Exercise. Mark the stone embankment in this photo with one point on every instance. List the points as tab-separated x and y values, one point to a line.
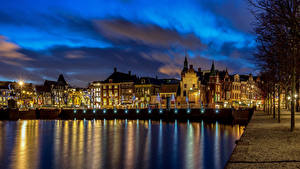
222	115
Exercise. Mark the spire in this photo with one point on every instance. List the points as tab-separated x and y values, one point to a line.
185	65
212	69
185	61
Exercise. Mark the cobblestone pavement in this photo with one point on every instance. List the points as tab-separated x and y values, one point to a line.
268	144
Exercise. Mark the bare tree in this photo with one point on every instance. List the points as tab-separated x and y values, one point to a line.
278	37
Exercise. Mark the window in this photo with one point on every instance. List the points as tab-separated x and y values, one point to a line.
116	94
104	87
116	86
110	87
194	85
184	93
185	85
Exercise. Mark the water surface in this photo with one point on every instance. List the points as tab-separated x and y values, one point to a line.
116	144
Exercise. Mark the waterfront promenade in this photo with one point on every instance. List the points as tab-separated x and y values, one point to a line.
268	144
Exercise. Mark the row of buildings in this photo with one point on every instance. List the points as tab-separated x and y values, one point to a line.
196	88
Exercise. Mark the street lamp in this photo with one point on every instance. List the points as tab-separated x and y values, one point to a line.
21	83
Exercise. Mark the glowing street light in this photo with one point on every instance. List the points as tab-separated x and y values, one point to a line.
21	83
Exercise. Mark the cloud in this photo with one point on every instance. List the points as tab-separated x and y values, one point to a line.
170	70
75	55
9	53
148	34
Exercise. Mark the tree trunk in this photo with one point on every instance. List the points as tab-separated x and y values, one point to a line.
268	105
265	105
274	104
271	104
286	100
278	113
293	91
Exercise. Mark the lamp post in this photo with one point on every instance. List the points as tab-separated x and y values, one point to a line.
21	84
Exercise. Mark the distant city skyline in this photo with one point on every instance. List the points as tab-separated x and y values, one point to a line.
85	41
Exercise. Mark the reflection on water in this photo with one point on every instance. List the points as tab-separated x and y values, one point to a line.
115	144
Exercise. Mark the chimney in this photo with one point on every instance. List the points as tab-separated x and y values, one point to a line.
199	69
191	66
129	73
115	69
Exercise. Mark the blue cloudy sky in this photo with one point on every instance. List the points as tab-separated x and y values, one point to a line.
84	40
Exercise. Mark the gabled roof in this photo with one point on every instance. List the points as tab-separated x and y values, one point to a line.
49	83
118	77
205	78
148	80
61	80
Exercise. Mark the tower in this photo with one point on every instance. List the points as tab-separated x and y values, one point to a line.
185	65
212	69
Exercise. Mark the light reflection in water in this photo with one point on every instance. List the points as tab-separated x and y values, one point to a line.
217	147
189	147
115	144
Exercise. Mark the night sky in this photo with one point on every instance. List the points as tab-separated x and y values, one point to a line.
85	40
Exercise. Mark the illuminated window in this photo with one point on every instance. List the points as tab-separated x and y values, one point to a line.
110	87
104	87
116	86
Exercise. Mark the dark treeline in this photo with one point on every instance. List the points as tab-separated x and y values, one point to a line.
278	39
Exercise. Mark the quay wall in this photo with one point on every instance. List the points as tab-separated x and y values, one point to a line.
222	115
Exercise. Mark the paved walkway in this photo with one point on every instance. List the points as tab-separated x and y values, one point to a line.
268	144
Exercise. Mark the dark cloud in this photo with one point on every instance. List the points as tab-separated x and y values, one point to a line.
96	64
120	30
234	11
